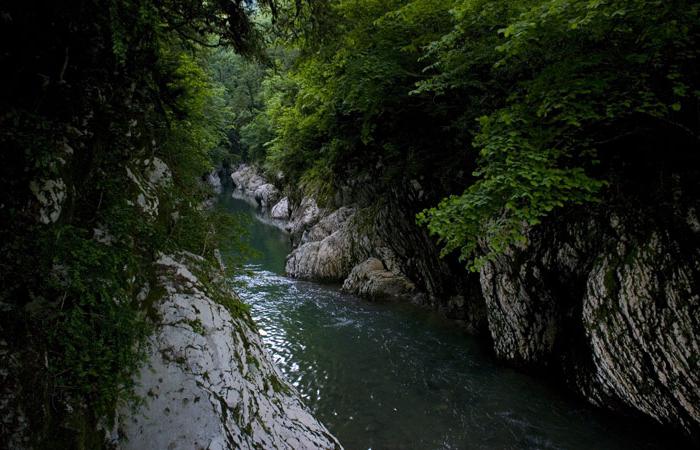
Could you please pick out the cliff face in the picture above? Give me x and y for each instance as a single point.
(606, 296)
(378, 252)
(208, 382)
(611, 299)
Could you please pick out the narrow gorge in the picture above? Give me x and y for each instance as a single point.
(577, 304)
(359, 224)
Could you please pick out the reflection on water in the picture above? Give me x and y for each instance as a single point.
(387, 376)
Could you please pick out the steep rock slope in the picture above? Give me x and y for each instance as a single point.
(612, 301)
(208, 382)
(377, 251)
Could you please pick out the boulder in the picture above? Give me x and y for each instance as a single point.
(214, 181)
(329, 249)
(371, 280)
(266, 195)
(328, 225)
(281, 210)
(329, 259)
(303, 217)
(246, 179)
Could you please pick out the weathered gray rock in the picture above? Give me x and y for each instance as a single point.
(328, 225)
(149, 176)
(208, 382)
(330, 245)
(641, 317)
(612, 307)
(522, 319)
(246, 179)
(329, 259)
(370, 279)
(330, 248)
(51, 194)
(281, 210)
(266, 195)
(214, 181)
(303, 217)
(255, 189)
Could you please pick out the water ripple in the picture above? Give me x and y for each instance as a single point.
(394, 377)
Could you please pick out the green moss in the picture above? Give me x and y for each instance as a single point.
(610, 281)
(250, 359)
(197, 326)
(278, 386)
(217, 287)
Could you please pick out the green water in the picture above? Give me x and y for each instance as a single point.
(388, 376)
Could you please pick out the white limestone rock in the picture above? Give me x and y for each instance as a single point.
(625, 299)
(158, 173)
(303, 217)
(266, 195)
(330, 259)
(328, 250)
(208, 382)
(328, 225)
(214, 181)
(246, 179)
(150, 176)
(370, 279)
(641, 320)
(281, 210)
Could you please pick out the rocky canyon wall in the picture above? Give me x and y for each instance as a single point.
(605, 298)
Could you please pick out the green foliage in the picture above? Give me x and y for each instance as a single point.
(347, 105)
(257, 135)
(530, 97)
(239, 81)
(94, 94)
(577, 74)
(94, 325)
(246, 87)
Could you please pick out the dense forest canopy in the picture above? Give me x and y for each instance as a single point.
(526, 98)
(506, 111)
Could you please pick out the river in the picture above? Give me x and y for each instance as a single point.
(391, 376)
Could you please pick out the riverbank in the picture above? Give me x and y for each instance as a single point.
(395, 375)
(569, 304)
(207, 381)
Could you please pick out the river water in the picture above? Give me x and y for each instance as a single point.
(391, 376)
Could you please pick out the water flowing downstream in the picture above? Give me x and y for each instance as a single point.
(389, 376)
